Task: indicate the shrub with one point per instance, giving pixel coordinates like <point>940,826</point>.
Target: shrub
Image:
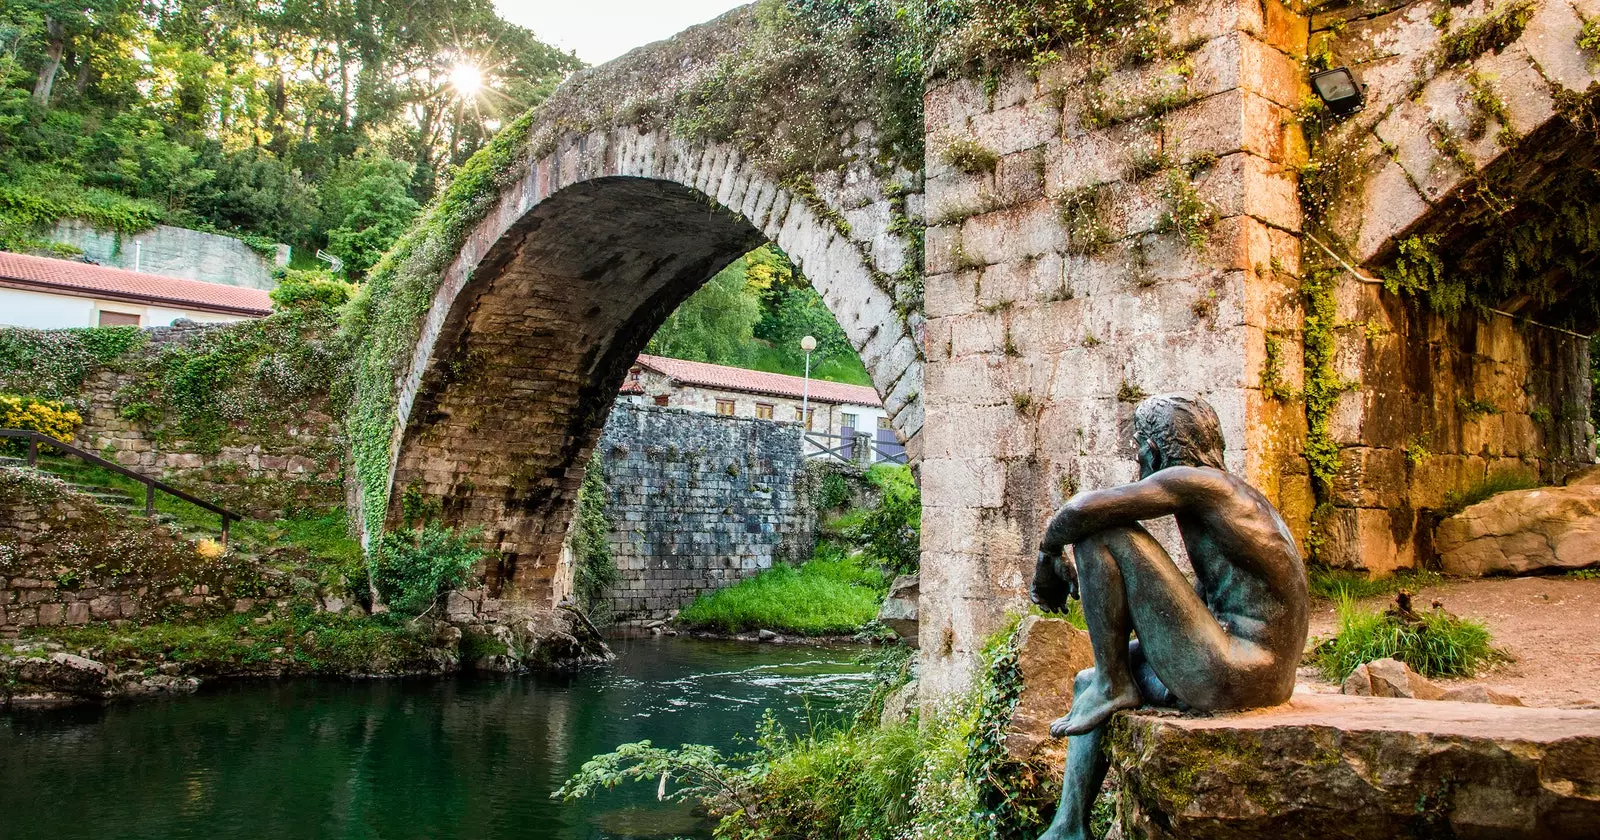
<point>312,289</point>
<point>1435,644</point>
<point>47,417</point>
<point>411,569</point>
<point>832,593</point>
<point>891,534</point>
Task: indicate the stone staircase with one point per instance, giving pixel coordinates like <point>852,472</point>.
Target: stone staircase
<point>108,496</point>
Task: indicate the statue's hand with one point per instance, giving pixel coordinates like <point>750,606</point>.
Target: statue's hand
<point>1050,590</point>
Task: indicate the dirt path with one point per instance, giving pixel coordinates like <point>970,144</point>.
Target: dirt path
<point>1550,626</point>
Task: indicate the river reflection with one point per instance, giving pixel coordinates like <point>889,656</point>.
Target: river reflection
<point>465,758</point>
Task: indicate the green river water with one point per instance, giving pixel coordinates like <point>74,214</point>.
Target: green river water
<point>393,759</point>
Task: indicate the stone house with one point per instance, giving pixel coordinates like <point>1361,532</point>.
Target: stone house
<point>46,293</point>
<point>839,412</point>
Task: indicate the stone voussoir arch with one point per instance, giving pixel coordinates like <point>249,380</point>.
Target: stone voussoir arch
<point>559,285</point>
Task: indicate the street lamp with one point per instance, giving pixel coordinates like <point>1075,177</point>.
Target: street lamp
<point>807,344</point>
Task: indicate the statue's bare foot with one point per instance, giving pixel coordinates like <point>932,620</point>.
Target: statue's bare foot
<point>1093,707</point>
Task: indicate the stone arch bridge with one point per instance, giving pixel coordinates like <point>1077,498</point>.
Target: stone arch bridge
<point>1126,228</point>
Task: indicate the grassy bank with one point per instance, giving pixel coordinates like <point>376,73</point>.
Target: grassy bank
<point>833,593</point>
<point>1433,643</point>
<point>295,641</point>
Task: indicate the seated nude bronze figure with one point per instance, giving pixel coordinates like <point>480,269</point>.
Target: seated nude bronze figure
<point>1229,640</point>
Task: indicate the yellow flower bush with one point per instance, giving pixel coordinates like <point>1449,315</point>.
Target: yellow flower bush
<point>48,417</point>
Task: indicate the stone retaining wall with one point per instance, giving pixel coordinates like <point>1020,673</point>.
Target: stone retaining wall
<point>697,502</point>
<point>283,455</point>
<point>64,559</point>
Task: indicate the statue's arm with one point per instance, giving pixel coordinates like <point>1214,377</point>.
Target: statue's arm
<point>1162,494</point>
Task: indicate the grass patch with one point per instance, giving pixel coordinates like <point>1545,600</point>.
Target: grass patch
<point>1340,584</point>
<point>301,641</point>
<point>1436,644</point>
<point>1457,501</point>
<point>1584,574</point>
<point>832,593</point>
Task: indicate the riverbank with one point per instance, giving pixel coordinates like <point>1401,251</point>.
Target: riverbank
<point>462,757</point>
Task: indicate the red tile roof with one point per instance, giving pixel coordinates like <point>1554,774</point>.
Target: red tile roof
<point>85,280</point>
<point>757,382</point>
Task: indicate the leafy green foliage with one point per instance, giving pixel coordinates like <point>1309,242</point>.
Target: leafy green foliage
<point>53,364</point>
<point>831,594</point>
<point>1015,801</point>
<point>1437,645</point>
<point>596,570</point>
<point>753,314</point>
<point>310,289</point>
<point>367,205</point>
<point>248,118</point>
<point>891,533</point>
<point>411,569</point>
<point>716,324</point>
<point>1491,32</point>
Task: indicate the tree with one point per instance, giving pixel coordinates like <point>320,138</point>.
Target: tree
<point>367,207</point>
<point>716,324</point>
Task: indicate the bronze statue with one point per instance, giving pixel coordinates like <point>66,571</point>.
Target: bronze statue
<point>1230,640</point>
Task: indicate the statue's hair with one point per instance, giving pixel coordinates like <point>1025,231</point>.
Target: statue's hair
<point>1184,429</point>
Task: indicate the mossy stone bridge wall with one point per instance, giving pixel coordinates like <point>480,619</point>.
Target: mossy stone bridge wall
<point>1155,204</point>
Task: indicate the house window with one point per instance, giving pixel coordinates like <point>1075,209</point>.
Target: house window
<point>725,408</point>
<point>661,399</point>
<point>118,319</point>
<point>847,420</point>
<point>764,411</point>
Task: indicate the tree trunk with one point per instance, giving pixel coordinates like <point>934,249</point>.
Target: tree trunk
<point>52,61</point>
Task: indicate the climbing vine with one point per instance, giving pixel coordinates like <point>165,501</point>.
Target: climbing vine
<point>1323,384</point>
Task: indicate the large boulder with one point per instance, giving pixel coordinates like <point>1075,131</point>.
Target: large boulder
<point>1328,765</point>
<point>1050,652</point>
<point>899,610</point>
<point>1522,531</point>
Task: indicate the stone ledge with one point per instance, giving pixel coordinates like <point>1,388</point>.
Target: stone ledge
<point>1360,767</point>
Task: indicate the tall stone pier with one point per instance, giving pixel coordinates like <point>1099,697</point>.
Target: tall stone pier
<point>1077,275</point>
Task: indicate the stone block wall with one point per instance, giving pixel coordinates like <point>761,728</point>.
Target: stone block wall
<point>64,559</point>
<point>1059,292</point>
<point>287,456</point>
<point>697,502</point>
<point>1437,406</point>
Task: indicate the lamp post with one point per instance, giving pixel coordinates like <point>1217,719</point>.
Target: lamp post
<point>807,344</point>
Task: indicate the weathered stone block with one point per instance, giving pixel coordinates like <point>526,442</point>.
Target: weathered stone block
<point>1360,767</point>
<point>1050,653</point>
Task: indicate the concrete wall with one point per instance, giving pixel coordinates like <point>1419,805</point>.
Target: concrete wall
<point>697,502</point>
<point>174,252</point>
<point>47,311</point>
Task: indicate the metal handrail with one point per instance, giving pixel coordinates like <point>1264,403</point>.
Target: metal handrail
<point>151,485</point>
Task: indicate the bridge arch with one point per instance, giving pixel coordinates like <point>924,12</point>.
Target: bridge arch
<point>535,322</point>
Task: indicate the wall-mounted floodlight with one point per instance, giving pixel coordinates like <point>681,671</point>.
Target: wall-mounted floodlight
<point>1339,90</point>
